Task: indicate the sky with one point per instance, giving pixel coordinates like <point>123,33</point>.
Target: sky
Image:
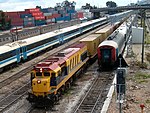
<point>20,5</point>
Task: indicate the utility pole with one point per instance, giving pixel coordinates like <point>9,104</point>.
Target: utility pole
<point>143,16</point>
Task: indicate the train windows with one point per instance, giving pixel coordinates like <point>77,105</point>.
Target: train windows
<point>8,55</point>
<point>31,46</point>
<point>46,74</point>
<point>106,53</point>
<point>38,74</point>
<point>85,27</point>
<point>70,32</point>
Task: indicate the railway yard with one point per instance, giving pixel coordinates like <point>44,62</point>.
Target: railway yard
<point>12,81</point>
<point>86,95</point>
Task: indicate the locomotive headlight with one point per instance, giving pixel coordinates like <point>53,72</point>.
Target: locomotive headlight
<point>38,81</point>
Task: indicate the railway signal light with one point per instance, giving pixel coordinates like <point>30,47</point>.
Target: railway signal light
<point>121,72</point>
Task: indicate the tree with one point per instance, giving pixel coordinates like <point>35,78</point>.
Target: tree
<point>88,6</point>
<point>111,4</point>
<point>66,3</point>
<point>5,22</point>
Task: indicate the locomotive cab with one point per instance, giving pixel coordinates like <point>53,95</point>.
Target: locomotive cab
<point>42,87</point>
<point>40,82</point>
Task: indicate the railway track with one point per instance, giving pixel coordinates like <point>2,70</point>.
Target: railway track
<point>13,97</point>
<point>92,101</point>
<point>36,110</point>
<point>14,77</point>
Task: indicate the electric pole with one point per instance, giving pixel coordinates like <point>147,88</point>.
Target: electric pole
<point>143,16</point>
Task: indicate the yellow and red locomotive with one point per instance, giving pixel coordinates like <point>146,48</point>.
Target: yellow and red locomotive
<point>53,75</point>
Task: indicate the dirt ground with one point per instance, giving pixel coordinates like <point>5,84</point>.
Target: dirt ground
<point>137,85</point>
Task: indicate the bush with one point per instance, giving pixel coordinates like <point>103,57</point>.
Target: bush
<point>140,75</point>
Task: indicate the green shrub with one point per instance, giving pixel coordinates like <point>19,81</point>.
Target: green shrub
<point>140,75</point>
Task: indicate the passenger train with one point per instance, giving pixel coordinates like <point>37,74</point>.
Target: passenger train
<point>109,50</point>
<point>22,49</point>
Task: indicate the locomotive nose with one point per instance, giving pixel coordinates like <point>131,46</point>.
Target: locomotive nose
<point>41,85</point>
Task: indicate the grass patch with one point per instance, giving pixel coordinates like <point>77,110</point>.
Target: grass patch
<point>147,101</point>
<point>142,81</point>
<point>147,40</point>
<point>140,75</point>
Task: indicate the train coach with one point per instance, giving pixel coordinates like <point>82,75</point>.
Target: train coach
<point>109,49</point>
<point>22,49</point>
